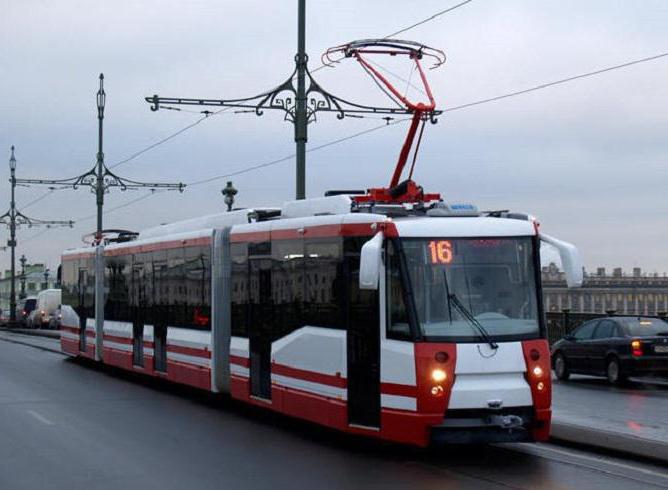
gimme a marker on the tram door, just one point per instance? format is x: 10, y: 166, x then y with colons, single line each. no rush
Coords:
x: 261, y: 320
x: 363, y: 350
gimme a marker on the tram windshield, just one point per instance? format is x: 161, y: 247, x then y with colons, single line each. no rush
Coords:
x: 457, y: 283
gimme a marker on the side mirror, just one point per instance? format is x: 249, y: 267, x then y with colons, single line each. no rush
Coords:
x: 570, y: 260
x: 370, y: 262
x: 569, y: 337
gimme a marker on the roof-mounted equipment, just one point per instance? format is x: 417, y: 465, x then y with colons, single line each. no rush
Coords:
x: 407, y: 190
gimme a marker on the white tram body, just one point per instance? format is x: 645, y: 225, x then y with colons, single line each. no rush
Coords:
x: 356, y: 319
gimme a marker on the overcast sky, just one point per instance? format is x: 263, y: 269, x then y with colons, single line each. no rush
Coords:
x: 588, y: 158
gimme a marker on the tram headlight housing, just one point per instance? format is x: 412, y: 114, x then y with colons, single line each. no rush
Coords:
x: 439, y: 375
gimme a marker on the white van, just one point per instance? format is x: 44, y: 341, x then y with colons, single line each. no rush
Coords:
x: 48, y: 301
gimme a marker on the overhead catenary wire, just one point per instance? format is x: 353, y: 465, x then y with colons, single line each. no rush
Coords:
x: 292, y: 155
x: 38, y: 199
x: 206, y: 115
x: 555, y: 82
x: 428, y: 19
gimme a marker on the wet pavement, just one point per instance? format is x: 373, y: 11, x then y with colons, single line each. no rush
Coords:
x: 639, y: 409
x: 67, y: 425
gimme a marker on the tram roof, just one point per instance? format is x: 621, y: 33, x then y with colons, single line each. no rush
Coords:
x: 337, y: 209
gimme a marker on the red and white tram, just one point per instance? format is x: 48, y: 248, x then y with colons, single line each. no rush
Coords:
x: 386, y: 313
x: 406, y: 322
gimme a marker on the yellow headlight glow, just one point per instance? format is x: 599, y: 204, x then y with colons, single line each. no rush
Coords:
x: 438, y: 375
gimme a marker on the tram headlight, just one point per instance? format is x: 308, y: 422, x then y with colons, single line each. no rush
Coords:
x: 540, y: 386
x: 438, y: 375
x: 538, y: 372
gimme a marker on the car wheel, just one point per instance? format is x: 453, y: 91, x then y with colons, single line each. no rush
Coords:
x: 613, y: 372
x: 560, y: 367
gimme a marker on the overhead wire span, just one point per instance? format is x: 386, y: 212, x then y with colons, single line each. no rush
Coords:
x: 429, y: 19
x: 556, y: 82
x: 206, y: 115
x: 38, y: 199
x: 292, y: 155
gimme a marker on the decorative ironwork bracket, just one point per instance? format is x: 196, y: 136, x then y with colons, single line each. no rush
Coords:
x: 109, y: 179
x: 22, y: 219
x: 284, y: 97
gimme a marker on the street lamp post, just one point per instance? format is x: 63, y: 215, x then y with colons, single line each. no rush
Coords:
x: 12, y: 219
x: 23, y: 261
x: 12, y: 239
x: 99, y: 183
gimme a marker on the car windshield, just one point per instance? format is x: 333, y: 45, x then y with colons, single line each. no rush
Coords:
x: 491, y: 280
x: 646, y: 327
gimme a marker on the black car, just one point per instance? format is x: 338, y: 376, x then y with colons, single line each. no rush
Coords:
x: 614, y: 347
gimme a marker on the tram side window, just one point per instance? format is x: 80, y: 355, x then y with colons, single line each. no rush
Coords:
x: 117, y: 288
x: 175, y: 298
x: 397, y: 315
x: 324, y: 277
x: 159, y: 285
x: 197, y: 279
x: 86, y: 287
x: 287, y: 286
x: 240, y: 289
x: 69, y: 283
x: 137, y: 289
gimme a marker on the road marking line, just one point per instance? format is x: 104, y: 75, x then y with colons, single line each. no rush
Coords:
x: 40, y: 417
x: 598, y: 460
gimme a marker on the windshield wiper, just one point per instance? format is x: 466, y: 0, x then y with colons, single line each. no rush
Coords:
x: 454, y: 300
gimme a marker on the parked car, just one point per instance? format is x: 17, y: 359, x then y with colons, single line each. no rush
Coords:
x: 614, y: 347
x: 48, y: 301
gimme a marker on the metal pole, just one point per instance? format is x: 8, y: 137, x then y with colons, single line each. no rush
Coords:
x: 23, y: 261
x: 99, y: 181
x: 12, y: 241
x: 300, y: 110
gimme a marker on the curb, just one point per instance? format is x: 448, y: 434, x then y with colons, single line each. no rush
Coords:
x: 54, y: 334
x: 608, y: 440
x: 30, y: 344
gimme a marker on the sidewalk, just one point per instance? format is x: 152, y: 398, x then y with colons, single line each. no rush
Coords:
x: 629, y: 419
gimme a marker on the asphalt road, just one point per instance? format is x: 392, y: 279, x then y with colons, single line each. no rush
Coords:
x: 64, y: 425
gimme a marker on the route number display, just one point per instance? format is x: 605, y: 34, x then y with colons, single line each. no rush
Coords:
x: 440, y: 251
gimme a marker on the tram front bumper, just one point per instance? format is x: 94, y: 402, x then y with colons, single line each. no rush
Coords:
x: 485, y: 426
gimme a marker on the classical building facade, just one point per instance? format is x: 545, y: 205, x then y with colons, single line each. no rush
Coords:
x: 35, y: 281
x: 636, y: 293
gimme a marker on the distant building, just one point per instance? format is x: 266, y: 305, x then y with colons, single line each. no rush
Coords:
x: 35, y: 282
x: 637, y: 293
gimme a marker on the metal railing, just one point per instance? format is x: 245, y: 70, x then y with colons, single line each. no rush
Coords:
x: 560, y: 323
